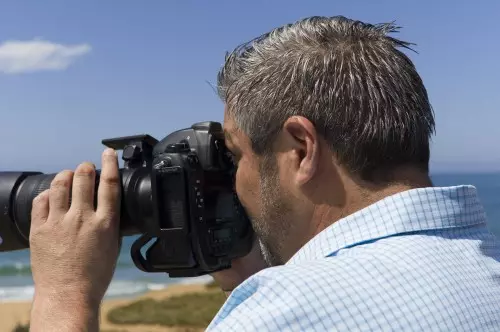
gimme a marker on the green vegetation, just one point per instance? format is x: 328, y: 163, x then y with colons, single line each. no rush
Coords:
x: 194, y: 309
x: 212, y: 284
x: 188, y: 310
x: 21, y: 328
x: 26, y: 328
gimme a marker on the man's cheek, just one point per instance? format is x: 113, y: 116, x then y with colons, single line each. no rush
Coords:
x: 246, y: 193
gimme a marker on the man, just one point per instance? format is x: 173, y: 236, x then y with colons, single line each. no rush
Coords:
x: 329, y: 124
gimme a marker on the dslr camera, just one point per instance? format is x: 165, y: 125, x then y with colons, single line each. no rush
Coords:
x: 177, y: 193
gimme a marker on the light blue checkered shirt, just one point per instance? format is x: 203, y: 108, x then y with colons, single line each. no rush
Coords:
x: 421, y: 260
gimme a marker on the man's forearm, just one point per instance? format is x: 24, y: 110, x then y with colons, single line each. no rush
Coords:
x: 51, y: 314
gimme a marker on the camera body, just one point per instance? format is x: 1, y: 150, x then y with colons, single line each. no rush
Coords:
x: 198, y: 222
x: 178, y: 193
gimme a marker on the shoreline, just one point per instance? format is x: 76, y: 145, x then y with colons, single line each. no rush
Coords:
x: 18, y: 312
x: 118, y: 289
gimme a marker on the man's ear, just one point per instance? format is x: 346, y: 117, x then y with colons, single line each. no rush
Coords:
x: 304, y: 140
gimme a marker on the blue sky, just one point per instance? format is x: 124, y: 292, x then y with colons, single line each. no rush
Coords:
x: 128, y: 67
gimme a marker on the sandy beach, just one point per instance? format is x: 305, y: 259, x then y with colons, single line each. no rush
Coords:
x: 13, y: 313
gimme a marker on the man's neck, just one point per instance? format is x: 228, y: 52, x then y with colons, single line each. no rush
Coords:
x: 327, y: 206
x: 361, y: 194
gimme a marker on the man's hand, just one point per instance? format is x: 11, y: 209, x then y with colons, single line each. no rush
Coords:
x: 74, y: 248
x: 241, y: 269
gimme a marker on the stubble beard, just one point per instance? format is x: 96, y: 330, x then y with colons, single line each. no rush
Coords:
x: 271, y: 225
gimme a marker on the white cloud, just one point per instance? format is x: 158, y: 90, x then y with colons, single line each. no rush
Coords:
x: 38, y: 55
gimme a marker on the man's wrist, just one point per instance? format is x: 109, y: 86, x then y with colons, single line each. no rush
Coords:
x: 57, y: 312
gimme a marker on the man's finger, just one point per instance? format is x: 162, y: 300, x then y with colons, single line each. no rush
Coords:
x: 108, y: 195
x: 83, y: 187
x: 40, y: 209
x: 59, y: 193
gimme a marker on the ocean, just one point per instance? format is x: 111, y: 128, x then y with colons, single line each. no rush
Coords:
x: 16, y: 283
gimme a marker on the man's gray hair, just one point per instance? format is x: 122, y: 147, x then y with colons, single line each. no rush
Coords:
x: 364, y: 95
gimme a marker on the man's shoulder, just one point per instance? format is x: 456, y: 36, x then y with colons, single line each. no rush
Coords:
x: 289, y: 297
x: 396, y: 283
x: 340, y: 293
x: 406, y: 261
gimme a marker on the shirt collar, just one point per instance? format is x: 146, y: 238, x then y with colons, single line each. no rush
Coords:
x: 409, y: 211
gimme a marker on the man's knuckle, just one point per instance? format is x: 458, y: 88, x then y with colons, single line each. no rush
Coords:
x: 105, y: 214
x: 60, y: 183
x: 78, y: 213
x: 111, y: 180
x: 39, y: 198
x: 35, y: 204
x: 34, y: 235
x: 104, y: 221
